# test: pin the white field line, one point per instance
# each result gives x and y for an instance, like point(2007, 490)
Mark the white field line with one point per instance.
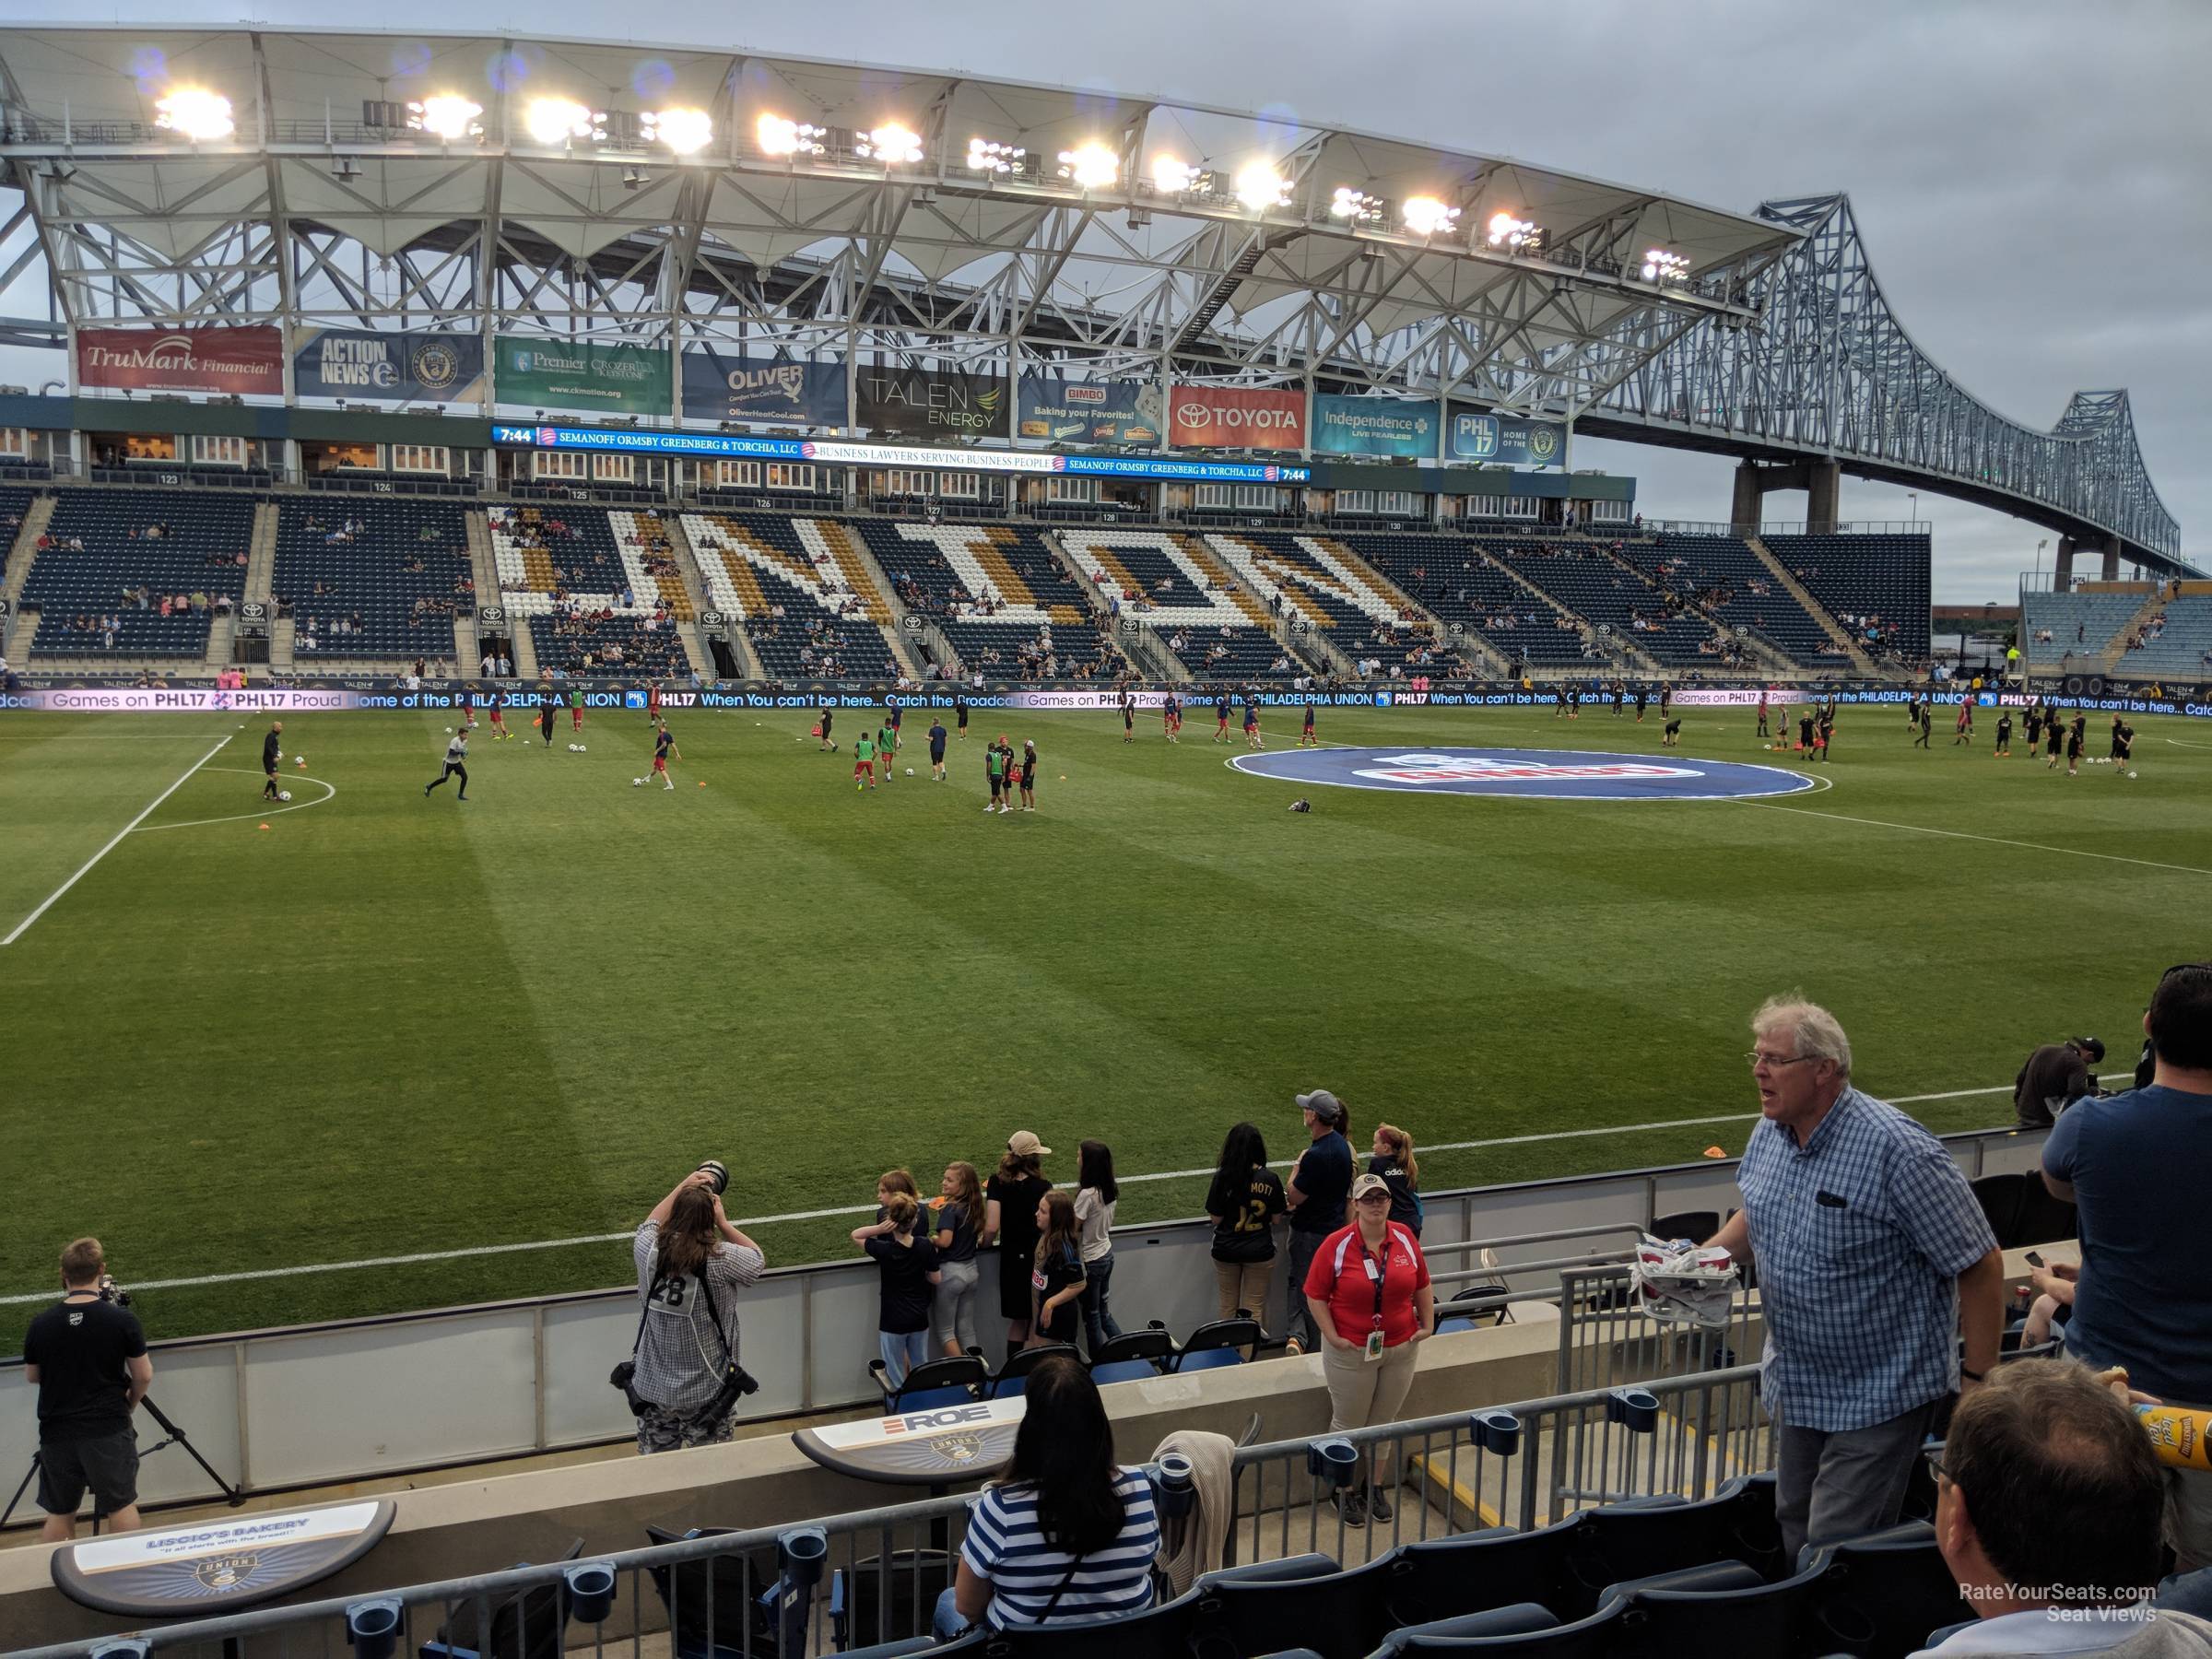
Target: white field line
point(1995, 840)
point(23, 926)
point(870, 1209)
point(330, 795)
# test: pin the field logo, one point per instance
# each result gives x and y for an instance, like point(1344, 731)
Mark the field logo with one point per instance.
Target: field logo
point(1535, 774)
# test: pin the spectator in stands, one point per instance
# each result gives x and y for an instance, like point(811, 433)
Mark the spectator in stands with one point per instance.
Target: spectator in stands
point(1368, 1295)
point(1243, 1204)
point(1873, 1254)
point(959, 1217)
point(1320, 1182)
point(2137, 1165)
point(1392, 1160)
point(690, 1260)
point(1066, 1534)
point(2054, 1079)
point(2045, 1441)
point(1056, 1272)
point(1010, 1199)
point(87, 1356)
point(906, 1267)
point(1097, 1193)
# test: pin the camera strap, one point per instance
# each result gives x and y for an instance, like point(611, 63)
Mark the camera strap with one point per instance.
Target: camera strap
point(729, 1353)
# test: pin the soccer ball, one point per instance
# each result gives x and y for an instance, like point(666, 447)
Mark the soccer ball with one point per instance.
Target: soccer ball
point(572, 749)
point(637, 781)
point(449, 731)
point(580, 749)
point(284, 795)
point(909, 771)
point(2131, 774)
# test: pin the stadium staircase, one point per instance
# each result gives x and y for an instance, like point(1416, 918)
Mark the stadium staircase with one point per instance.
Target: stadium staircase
point(695, 590)
point(1860, 662)
point(852, 552)
point(284, 634)
point(261, 553)
point(2115, 651)
point(468, 659)
point(25, 552)
point(219, 634)
point(1305, 651)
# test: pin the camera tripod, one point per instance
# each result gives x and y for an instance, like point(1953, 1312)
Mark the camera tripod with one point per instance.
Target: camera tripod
point(175, 1437)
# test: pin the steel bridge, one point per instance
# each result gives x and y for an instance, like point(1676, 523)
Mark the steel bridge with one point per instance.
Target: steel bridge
point(1007, 228)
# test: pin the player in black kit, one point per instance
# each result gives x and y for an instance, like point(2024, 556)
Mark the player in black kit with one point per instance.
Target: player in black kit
point(272, 751)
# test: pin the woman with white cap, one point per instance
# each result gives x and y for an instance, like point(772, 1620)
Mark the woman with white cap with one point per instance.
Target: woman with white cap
point(1370, 1296)
point(1010, 1200)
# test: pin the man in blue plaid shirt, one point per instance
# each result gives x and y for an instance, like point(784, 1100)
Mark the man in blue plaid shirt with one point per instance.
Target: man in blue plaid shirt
point(1872, 1257)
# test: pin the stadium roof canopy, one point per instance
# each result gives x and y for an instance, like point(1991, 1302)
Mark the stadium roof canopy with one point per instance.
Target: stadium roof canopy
point(823, 207)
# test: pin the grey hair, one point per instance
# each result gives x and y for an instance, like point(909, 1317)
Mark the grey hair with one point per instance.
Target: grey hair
point(1815, 1032)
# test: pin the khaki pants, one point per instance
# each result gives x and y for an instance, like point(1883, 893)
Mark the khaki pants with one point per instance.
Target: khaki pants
point(1244, 1285)
point(1363, 1393)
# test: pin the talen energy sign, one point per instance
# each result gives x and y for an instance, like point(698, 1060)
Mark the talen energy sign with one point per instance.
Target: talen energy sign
point(930, 403)
point(181, 360)
point(1210, 417)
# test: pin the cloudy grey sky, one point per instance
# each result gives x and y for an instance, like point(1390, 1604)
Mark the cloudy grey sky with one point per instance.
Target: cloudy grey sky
point(2030, 175)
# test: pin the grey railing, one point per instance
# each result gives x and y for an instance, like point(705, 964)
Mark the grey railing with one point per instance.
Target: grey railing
point(875, 1576)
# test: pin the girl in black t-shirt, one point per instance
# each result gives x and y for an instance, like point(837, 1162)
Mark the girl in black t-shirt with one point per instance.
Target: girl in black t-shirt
point(959, 1217)
point(1010, 1218)
point(1394, 1162)
point(1243, 1204)
point(1056, 1271)
point(906, 1264)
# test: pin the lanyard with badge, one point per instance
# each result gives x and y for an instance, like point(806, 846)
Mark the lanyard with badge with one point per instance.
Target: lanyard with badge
point(1377, 1279)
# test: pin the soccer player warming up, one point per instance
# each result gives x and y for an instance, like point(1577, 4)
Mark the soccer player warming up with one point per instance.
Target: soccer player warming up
point(886, 746)
point(499, 718)
point(456, 766)
point(1305, 737)
point(863, 762)
point(1670, 737)
point(664, 751)
point(1251, 722)
point(272, 751)
point(1028, 776)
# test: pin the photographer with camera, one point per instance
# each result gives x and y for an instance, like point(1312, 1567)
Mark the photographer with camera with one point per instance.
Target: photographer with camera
point(683, 1378)
point(87, 1356)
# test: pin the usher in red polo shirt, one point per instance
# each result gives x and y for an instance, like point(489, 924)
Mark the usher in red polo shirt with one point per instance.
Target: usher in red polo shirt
point(1344, 1275)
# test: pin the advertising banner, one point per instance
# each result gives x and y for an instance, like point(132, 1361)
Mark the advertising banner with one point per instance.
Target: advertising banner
point(182, 360)
point(729, 387)
point(1065, 411)
point(932, 403)
point(1374, 426)
point(1207, 417)
point(388, 368)
point(1507, 440)
point(584, 374)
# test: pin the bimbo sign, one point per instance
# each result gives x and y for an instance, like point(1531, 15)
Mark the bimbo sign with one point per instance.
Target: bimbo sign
point(181, 360)
point(1207, 417)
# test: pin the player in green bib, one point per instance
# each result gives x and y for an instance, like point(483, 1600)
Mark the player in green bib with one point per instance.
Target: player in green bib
point(994, 769)
point(863, 763)
point(576, 711)
point(887, 745)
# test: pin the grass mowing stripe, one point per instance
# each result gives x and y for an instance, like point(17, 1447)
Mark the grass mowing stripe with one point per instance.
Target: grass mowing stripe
point(23, 926)
point(865, 1209)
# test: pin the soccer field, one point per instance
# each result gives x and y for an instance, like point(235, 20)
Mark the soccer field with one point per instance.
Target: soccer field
point(385, 1027)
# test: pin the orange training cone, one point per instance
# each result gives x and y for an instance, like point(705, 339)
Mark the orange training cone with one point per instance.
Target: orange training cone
point(1714, 1152)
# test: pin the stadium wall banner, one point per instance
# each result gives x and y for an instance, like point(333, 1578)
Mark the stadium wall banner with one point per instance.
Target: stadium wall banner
point(584, 374)
point(1375, 425)
point(1507, 440)
point(182, 360)
point(388, 368)
point(1065, 411)
point(1208, 417)
point(722, 387)
point(940, 402)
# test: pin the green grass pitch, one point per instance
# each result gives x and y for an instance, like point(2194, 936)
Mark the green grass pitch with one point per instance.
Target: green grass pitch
point(385, 1025)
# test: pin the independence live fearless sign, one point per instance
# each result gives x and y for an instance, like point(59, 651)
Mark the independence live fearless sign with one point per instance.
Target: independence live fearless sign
point(388, 368)
point(1375, 425)
point(181, 360)
point(585, 374)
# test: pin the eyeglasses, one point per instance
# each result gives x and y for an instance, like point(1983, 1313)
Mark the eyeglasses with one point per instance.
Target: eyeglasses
point(1759, 1057)
point(1936, 1469)
point(1372, 1198)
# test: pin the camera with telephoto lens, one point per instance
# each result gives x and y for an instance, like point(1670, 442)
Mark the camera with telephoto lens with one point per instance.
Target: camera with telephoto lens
point(717, 1173)
point(109, 1292)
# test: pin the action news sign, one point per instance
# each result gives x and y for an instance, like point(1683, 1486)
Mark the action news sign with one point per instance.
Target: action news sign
point(181, 360)
point(388, 368)
point(932, 403)
point(1203, 416)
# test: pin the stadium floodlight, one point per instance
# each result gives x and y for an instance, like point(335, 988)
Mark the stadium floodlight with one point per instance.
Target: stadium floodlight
point(989, 156)
point(684, 131)
point(1090, 167)
point(1357, 206)
point(1668, 269)
point(1260, 187)
point(195, 113)
point(551, 120)
point(1171, 177)
point(890, 144)
point(1425, 215)
point(1517, 235)
point(446, 115)
point(779, 136)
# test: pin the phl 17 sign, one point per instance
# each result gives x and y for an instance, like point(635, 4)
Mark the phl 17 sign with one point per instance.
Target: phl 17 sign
point(1507, 440)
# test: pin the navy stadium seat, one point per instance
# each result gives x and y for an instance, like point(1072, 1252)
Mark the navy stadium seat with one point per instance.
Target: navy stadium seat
point(1509, 1633)
point(1721, 1607)
point(1648, 1536)
point(1882, 1593)
point(1246, 1612)
point(1471, 1573)
point(1012, 1378)
point(1124, 1371)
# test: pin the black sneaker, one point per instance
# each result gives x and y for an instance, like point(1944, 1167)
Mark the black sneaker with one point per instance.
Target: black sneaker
point(1378, 1505)
point(1351, 1507)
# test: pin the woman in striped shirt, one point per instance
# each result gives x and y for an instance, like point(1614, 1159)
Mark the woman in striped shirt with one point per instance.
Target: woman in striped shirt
point(1068, 1535)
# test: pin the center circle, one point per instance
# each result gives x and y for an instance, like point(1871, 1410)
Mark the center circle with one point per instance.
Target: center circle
point(1528, 774)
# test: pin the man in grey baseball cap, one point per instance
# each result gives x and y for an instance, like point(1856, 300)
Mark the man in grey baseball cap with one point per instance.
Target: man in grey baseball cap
point(1320, 1182)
